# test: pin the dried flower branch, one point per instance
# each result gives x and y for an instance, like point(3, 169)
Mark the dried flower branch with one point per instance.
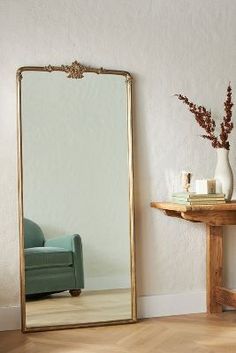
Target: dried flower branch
point(205, 120)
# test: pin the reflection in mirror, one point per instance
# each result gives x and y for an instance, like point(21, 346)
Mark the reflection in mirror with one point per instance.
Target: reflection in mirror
point(76, 188)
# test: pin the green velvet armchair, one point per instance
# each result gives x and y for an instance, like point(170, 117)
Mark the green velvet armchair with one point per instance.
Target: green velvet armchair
point(53, 265)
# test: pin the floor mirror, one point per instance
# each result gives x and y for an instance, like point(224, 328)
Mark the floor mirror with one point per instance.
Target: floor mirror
point(76, 213)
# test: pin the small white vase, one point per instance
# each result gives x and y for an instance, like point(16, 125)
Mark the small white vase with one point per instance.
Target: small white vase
point(223, 172)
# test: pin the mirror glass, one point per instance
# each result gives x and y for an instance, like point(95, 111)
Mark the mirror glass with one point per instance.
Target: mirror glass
point(76, 199)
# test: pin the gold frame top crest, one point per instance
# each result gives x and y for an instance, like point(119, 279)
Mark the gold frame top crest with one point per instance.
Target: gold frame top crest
point(75, 71)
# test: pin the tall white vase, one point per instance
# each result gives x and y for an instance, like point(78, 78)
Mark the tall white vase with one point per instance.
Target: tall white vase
point(223, 172)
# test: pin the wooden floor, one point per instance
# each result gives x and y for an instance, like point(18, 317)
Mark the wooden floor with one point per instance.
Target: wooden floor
point(197, 333)
point(90, 306)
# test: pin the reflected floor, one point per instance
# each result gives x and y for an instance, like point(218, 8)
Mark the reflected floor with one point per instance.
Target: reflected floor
point(90, 306)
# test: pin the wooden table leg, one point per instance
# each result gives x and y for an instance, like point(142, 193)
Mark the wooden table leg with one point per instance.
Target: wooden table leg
point(214, 266)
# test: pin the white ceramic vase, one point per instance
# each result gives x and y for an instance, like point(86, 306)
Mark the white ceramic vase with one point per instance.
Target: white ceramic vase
point(223, 172)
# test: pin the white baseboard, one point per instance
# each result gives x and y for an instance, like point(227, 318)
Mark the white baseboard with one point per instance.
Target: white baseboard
point(10, 318)
point(148, 306)
point(171, 304)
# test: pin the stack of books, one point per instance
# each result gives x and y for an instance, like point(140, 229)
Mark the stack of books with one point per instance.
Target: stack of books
point(191, 198)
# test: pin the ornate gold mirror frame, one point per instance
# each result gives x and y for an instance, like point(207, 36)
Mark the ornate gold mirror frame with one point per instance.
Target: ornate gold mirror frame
point(75, 71)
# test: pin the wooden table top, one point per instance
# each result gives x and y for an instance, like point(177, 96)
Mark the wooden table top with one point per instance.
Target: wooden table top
point(171, 206)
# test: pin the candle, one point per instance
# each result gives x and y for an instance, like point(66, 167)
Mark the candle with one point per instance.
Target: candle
point(207, 186)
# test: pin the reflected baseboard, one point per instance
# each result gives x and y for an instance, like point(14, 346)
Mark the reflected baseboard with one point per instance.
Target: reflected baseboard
point(105, 283)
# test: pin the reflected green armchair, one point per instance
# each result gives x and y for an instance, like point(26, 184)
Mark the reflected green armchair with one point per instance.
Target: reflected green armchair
point(52, 265)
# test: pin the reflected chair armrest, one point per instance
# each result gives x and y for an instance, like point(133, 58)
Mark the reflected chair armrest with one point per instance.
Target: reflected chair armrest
point(72, 243)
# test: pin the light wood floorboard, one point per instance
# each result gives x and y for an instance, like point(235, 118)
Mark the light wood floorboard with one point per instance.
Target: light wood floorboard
point(90, 306)
point(197, 333)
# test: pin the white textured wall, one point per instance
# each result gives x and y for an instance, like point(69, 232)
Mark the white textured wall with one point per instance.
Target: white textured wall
point(170, 46)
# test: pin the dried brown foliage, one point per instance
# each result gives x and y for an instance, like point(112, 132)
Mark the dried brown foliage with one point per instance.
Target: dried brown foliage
point(205, 120)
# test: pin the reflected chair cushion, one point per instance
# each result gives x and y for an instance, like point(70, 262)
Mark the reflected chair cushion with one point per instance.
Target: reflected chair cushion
point(42, 257)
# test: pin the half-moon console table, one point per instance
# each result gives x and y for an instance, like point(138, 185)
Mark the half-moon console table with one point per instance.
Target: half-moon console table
point(215, 217)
